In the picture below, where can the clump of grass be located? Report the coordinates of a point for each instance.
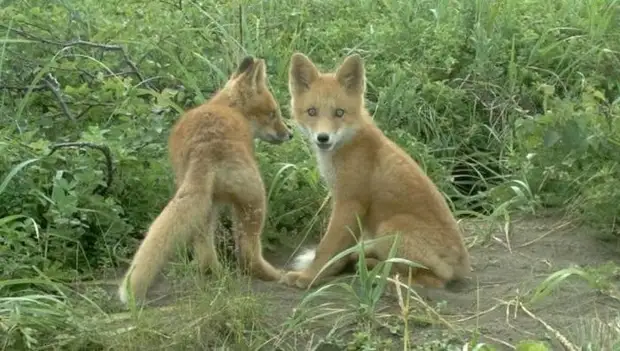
(597, 278)
(352, 304)
(32, 319)
(594, 334)
(203, 321)
(212, 314)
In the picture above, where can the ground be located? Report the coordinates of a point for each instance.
(504, 275)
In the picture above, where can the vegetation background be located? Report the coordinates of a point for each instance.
(510, 106)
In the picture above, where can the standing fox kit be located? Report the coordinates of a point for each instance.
(211, 150)
(373, 183)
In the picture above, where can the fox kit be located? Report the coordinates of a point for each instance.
(373, 183)
(211, 149)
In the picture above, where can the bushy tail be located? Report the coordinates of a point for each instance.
(184, 215)
(304, 259)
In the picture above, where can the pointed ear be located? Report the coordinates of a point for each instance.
(351, 74)
(244, 66)
(302, 73)
(251, 71)
(258, 75)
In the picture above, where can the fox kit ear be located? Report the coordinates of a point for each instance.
(258, 75)
(301, 74)
(254, 72)
(351, 74)
(244, 66)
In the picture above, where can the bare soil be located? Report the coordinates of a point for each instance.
(506, 267)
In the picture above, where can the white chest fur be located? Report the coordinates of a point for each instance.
(326, 166)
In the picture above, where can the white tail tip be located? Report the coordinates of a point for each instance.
(123, 293)
(304, 259)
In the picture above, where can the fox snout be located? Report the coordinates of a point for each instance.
(280, 134)
(323, 140)
(285, 135)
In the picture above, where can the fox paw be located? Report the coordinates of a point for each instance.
(296, 278)
(270, 273)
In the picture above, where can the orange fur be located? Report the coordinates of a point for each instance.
(211, 150)
(372, 179)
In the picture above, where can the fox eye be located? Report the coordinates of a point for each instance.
(312, 111)
(339, 112)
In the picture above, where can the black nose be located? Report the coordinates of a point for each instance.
(322, 138)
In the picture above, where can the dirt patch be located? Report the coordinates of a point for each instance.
(503, 271)
(538, 248)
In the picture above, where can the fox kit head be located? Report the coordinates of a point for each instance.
(328, 107)
(248, 89)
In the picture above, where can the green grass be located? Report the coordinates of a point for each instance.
(511, 107)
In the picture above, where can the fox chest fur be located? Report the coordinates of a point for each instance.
(325, 163)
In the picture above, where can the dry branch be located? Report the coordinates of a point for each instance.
(26, 88)
(72, 43)
(567, 345)
(54, 86)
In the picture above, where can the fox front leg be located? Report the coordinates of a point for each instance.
(341, 234)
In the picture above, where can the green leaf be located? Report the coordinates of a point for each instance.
(572, 135)
(13, 172)
(529, 345)
(551, 137)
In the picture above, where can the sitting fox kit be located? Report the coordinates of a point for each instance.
(211, 150)
(372, 181)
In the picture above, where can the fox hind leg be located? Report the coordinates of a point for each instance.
(249, 207)
(249, 220)
(205, 250)
(414, 247)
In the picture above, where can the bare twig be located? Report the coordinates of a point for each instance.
(478, 314)
(551, 231)
(90, 44)
(569, 346)
(105, 150)
(505, 343)
(25, 88)
(54, 86)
